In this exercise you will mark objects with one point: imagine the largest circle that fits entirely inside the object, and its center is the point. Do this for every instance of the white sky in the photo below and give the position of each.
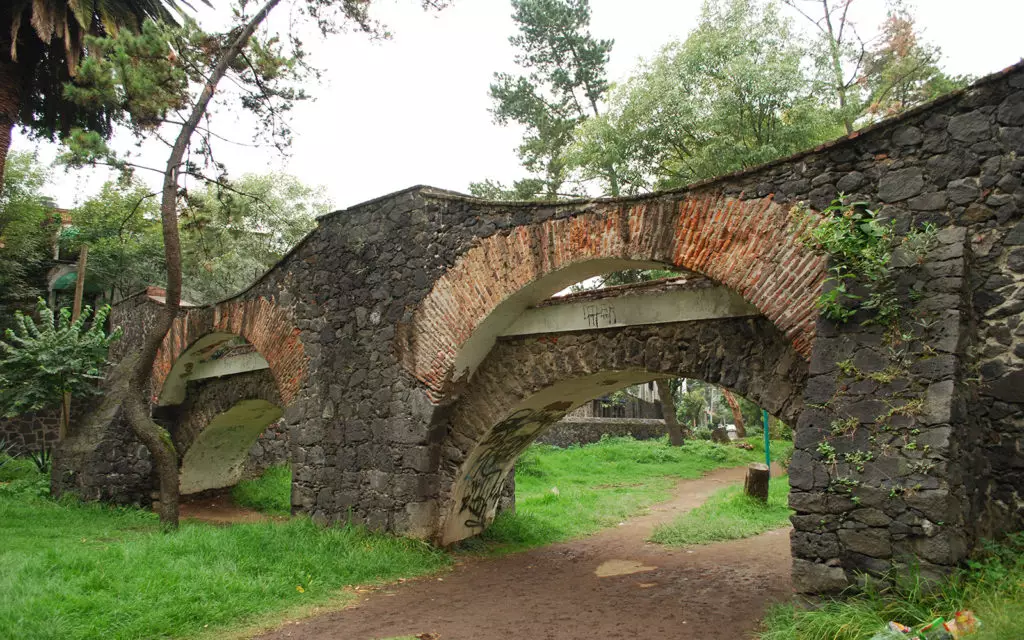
(414, 110)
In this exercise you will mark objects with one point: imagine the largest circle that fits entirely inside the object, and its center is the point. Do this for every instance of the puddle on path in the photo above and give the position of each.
(620, 568)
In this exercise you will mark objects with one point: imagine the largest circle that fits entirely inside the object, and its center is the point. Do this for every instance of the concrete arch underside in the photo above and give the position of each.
(216, 426)
(528, 383)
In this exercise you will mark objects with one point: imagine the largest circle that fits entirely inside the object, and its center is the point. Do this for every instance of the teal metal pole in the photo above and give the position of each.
(767, 442)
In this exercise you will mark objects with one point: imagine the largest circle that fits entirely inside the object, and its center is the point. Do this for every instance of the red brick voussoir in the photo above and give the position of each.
(749, 246)
(263, 324)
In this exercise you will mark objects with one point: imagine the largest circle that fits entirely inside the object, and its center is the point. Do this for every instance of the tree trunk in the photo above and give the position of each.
(10, 105)
(668, 411)
(756, 484)
(737, 415)
(137, 409)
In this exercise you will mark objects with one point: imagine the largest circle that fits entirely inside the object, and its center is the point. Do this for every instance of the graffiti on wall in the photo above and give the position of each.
(599, 315)
(485, 476)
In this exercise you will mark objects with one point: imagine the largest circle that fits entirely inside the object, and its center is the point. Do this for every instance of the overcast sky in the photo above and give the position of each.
(414, 110)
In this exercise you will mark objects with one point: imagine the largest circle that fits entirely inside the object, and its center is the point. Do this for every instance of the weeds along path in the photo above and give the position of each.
(614, 584)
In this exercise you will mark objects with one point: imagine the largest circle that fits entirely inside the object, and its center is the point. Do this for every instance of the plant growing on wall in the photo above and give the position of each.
(40, 362)
(859, 244)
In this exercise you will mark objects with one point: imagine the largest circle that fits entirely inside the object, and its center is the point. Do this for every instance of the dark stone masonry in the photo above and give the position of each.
(404, 408)
(576, 431)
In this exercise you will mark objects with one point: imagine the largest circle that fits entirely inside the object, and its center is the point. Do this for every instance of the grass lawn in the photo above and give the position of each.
(728, 514)
(992, 586)
(270, 493)
(73, 571)
(601, 484)
(69, 570)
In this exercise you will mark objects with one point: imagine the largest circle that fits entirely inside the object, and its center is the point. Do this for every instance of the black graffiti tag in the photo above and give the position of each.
(508, 439)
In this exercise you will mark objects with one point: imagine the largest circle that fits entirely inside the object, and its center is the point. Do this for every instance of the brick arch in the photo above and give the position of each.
(749, 246)
(528, 383)
(259, 321)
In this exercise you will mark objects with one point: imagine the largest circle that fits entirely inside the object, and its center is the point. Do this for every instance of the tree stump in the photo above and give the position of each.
(756, 485)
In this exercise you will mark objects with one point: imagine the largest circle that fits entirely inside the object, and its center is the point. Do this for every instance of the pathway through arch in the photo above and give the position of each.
(710, 592)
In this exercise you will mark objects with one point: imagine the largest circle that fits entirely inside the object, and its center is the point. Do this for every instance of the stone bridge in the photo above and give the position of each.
(413, 348)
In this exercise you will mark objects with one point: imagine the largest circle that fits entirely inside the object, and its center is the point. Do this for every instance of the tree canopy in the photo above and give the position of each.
(41, 45)
(27, 231)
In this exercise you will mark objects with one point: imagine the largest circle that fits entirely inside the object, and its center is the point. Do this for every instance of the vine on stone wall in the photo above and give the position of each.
(859, 244)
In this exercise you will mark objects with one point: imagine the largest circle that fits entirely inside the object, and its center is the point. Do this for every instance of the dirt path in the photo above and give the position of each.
(611, 585)
(217, 507)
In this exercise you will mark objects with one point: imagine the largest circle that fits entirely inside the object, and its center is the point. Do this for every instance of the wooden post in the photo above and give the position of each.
(756, 485)
(76, 310)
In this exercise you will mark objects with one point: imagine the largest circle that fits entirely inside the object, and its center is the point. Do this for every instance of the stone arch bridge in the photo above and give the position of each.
(413, 348)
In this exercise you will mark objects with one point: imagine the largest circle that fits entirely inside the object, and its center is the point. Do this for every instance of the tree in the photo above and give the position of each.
(876, 78)
(232, 236)
(692, 406)
(41, 362)
(902, 71)
(667, 396)
(161, 85)
(737, 415)
(564, 86)
(27, 232)
(734, 94)
(41, 43)
(840, 54)
(120, 225)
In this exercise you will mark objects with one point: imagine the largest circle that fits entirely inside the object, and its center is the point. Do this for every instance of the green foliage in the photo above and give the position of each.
(149, 81)
(728, 514)
(40, 362)
(47, 42)
(902, 71)
(42, 459)
(859, 245)
(74, 570)
(601, 484)
(734, 94)
(231, 236)
(563, 86)
(121, 226)
(27, 228)
(270, 493)
(992, 586)
(15, 468)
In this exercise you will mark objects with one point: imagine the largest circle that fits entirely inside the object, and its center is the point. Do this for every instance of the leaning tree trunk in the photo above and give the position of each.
(737, 415)
(155, 437)
(668, 411)
(10, 105)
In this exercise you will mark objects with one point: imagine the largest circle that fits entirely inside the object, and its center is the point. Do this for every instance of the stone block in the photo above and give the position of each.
(818, 578)
(973, 126)
(900, 184)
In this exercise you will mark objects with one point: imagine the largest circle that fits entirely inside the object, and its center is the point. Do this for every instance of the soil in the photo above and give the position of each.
(614, 584)
(217, 507)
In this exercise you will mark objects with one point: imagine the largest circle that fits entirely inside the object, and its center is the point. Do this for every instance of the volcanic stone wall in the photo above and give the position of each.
(575, 431)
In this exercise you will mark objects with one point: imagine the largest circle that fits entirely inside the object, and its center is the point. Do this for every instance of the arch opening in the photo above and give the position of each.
(217, 457)
(530, 382)
(506, 313)
(744, 246)
(215, 354)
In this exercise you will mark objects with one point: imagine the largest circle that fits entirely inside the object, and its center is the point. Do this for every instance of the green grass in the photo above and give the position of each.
(992, 586)
(15, 468)
(270, 493)
(728, 514)
(601, 484)
(69, 570)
